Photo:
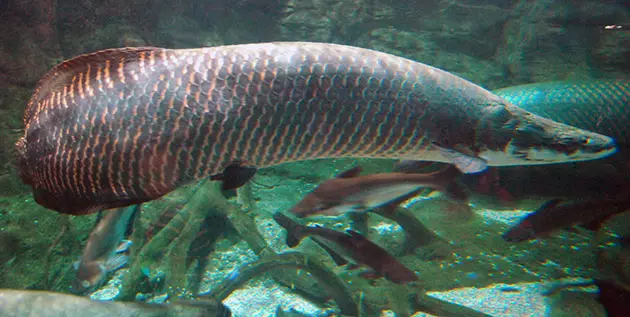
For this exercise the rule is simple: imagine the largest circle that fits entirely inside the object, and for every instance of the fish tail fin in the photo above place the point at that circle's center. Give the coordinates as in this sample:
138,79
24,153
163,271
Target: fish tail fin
294,229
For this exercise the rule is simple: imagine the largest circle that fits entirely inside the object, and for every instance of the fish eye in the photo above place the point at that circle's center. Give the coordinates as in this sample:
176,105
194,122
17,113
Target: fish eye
86,284
584,140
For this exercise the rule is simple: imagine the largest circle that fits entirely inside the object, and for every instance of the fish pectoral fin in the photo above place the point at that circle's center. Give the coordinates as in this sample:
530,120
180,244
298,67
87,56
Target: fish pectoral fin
466,163
353,172
76,264
116,262
235,175
123,246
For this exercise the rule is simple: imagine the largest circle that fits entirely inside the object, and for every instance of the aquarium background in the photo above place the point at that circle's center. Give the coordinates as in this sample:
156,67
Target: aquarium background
494,44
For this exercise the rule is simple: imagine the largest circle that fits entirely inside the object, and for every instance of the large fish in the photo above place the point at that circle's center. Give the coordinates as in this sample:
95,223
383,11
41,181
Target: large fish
102,251
124,126
601,106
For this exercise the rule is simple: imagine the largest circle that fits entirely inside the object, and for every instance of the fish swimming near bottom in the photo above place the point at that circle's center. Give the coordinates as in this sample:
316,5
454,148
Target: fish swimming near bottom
554,215
103,250
357,246
24,303
125,126
351,192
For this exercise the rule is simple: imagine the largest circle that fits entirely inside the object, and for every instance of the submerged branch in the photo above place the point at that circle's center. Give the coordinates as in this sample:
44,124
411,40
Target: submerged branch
332,284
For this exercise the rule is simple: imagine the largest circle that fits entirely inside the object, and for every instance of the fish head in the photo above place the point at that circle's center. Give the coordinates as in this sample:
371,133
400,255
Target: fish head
509,135
89,276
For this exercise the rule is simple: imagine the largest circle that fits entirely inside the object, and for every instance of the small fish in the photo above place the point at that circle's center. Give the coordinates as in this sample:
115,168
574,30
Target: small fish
351,192
103,251
358,247
553,216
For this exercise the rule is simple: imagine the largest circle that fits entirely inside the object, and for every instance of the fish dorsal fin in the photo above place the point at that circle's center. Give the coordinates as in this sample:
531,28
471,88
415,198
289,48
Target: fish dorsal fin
353,172
62,74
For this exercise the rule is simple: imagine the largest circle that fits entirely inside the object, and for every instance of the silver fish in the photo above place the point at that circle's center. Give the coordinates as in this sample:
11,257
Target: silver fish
351,192
102,253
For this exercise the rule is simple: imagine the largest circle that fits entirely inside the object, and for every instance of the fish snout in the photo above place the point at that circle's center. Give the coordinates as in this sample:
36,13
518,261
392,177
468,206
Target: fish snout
581,145
524,138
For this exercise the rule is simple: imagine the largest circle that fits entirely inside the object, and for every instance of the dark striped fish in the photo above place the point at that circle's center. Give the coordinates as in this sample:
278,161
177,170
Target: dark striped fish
125,126
602,106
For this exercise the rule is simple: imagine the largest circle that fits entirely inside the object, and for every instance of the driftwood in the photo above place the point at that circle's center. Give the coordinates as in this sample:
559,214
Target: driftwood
164,256
333,285
166,253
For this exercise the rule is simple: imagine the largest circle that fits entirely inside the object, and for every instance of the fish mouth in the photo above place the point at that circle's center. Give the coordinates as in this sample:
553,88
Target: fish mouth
589,146
607,148
516,153
523,138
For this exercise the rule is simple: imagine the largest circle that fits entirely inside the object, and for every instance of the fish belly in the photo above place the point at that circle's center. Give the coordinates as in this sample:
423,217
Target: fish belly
383,196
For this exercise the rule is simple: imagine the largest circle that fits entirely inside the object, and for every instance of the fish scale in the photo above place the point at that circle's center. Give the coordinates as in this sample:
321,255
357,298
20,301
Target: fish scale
602,106
125,126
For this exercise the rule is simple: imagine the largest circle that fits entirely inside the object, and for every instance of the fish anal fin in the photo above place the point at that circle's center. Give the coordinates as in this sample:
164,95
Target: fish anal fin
353,172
